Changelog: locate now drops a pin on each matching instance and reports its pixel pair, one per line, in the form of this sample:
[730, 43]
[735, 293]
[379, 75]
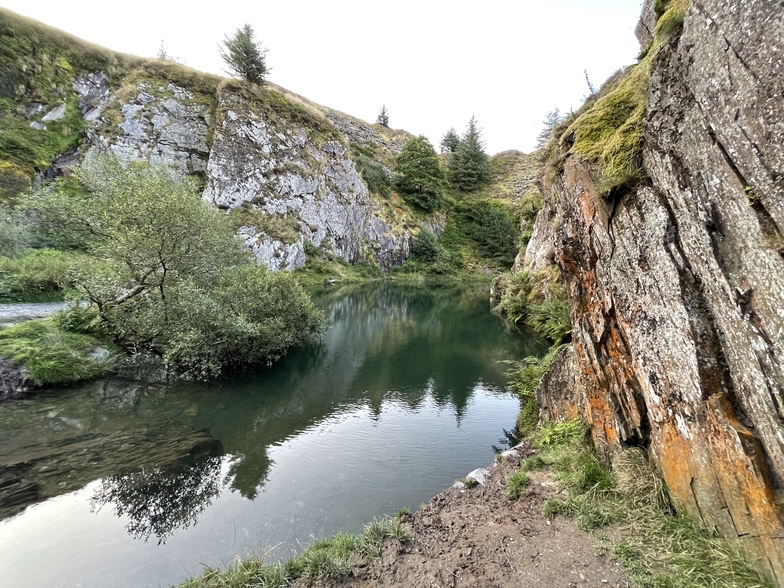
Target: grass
[41, 275]
[51, 355]
[608, 131]
[524, 379]
[538, 300]
[325, 560]
[629, 509]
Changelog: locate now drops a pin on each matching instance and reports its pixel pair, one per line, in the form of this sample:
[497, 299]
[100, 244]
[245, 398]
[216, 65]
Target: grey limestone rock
[56, 113]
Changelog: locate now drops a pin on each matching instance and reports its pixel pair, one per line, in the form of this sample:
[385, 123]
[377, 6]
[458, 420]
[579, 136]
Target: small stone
[57, 113]
[38, 126]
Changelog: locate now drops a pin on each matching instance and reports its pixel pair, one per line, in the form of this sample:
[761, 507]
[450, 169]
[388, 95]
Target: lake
[124, 484]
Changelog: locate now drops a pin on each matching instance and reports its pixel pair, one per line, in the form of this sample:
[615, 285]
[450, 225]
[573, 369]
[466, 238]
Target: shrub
[426, 246]
[418, 174]
[376, 176]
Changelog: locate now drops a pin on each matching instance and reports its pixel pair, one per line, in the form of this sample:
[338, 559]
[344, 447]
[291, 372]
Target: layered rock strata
[678, 285]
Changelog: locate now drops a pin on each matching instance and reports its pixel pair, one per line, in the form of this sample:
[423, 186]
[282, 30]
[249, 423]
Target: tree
[450, 141]
[383, 117]
[552, 120]
[419, 176]
[170, 276]
[244, 56]
[469, 168]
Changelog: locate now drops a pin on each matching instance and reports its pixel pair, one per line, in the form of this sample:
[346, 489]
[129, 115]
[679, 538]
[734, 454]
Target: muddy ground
[477, 537]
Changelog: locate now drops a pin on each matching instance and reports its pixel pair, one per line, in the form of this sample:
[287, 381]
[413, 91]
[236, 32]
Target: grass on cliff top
[53, 356]
[323, 561]
[608, 129]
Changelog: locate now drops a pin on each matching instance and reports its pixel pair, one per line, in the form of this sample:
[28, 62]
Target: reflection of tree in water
[158, 500]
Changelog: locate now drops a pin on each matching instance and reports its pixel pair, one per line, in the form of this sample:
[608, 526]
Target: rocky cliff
[675, 271]
[284, 168]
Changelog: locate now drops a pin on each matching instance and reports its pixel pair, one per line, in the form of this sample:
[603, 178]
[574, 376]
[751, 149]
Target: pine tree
[383, 117]
[244, 56]
[450, 141]
[469, 167]
[419, 177]
[552, 120]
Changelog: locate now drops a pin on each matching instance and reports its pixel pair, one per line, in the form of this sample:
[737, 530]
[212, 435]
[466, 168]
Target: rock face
[285, 183]
[678, 286]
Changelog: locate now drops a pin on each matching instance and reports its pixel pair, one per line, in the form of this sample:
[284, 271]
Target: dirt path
[477, 537]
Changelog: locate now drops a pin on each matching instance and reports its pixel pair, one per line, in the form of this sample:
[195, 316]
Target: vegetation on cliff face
[607, 130]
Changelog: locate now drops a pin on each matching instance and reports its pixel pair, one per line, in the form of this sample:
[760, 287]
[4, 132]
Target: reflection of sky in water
[400, 399]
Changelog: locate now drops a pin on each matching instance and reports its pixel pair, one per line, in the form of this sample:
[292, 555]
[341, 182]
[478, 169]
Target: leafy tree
[552, 120]
[469, 168]
[418, 174]
[383, 117]
[450, 141]
[244, 56]
[170, 276]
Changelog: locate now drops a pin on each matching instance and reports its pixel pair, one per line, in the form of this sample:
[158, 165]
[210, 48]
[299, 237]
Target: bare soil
[478, 537]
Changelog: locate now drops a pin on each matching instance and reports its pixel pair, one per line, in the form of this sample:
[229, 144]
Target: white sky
[433, 63]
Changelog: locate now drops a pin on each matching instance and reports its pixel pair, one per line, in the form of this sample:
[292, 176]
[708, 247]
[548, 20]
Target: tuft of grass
[516, 483]
[52, 356]
[324, 561]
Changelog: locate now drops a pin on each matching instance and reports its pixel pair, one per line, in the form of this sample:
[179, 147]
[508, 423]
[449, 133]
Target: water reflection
[159, 500]
[147, 443]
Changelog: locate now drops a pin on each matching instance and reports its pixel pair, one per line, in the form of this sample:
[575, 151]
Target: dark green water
[125, 484]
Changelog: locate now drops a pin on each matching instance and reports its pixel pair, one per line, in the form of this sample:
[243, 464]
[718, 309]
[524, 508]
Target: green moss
[608, 133]
[52, 356]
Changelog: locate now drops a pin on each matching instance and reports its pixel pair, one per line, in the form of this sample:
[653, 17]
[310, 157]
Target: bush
[426, 246]
[493, 230]
[15, 233]
[376, 176]
[170, 276]
[418, 174]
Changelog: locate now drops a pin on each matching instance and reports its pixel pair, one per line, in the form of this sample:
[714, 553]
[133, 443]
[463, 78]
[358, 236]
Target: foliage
[450, 141]
[468, 166]
[551, 318]
[169, 275]
[426, 246]
[244, 56]
[40, 275]
[418, 174]
[492, 229]
[515, 483]
[552, 120]
[15, 233]
[376, 176]
[248, 317]
[539, 300]
[383, 116]
[524, 377]
[323, 561]
[52, 356]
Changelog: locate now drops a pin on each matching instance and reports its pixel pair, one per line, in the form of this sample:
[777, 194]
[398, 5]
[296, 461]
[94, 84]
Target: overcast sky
[433, 63]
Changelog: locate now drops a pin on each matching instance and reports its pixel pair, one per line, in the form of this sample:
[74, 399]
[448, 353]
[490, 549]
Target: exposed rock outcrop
[678, 285]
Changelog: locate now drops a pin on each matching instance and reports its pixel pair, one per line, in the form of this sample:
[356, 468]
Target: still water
[124, 484]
